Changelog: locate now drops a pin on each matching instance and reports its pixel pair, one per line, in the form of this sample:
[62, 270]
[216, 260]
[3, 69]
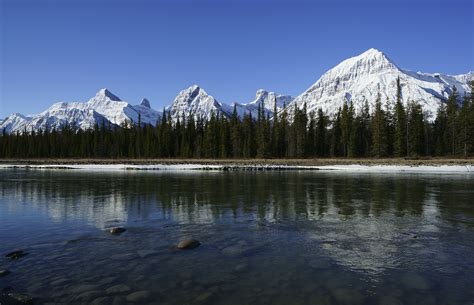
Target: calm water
[267, 237]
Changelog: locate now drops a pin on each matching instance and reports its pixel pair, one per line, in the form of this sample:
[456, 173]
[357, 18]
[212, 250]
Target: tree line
[388, 131]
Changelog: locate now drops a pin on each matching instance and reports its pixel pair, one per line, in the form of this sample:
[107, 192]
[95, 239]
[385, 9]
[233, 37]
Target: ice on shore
[187, 167]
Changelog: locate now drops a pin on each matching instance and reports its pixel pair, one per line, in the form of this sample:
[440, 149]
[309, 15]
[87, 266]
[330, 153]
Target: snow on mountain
[194, 101]
[13, 122]
[147, 114]
[356, 79]
[361, 77]
[103, 108]
[265, 99]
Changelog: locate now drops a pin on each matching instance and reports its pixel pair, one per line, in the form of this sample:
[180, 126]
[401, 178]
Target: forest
[389, 130]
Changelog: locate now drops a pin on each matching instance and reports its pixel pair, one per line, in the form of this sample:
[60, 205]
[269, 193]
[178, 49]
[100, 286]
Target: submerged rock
[10, 296]
[117, 289]
[348, 296]
[204, 297]
[16, 254]
[188, 244]
[117, 230]
[103, 301]
[414, 281]
[4, 273]
[235, 250]
[241, 267]
[139, 296]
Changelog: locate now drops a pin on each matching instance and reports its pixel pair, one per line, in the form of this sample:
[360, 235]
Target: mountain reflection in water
[370, 224]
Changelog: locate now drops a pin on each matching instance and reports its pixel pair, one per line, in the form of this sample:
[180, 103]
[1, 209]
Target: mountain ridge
[358, 79]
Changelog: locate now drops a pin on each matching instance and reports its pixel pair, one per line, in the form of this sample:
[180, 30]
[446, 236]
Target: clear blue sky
[67, 50]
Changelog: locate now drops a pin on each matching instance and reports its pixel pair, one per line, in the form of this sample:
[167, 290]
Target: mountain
[357, 79]
[196, 102]
[267, 100]
[103, 108]
[361, 77]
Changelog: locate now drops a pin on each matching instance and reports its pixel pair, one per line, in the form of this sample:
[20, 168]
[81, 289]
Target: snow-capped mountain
[362, 77]
[266, 100]
[356, 79]
[103, 108]
[197, 102]
[194, 101]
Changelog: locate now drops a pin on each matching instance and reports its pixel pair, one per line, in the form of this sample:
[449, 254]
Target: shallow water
[291, 237]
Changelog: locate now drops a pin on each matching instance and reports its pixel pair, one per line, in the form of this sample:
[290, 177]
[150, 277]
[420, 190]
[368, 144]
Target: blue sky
[67, 50]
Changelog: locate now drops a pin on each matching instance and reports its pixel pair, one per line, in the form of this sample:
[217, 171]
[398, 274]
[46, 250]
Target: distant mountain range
[355, 79]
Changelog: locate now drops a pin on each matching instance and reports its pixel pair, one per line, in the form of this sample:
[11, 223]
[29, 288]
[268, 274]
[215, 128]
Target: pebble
[240, 267]
[236, 250]
[19, 298]
[412, 280]
[76, 290]
[188, 244]
[117, 230]
[186, 284]
[16, 254]
[348, 296]
[89, 295]
[203, 297]
[102, 301]
[117, 289]
[139, 296]
[146, 253]
[319, 264]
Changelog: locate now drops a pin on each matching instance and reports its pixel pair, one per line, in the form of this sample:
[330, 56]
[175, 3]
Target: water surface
[290, 237]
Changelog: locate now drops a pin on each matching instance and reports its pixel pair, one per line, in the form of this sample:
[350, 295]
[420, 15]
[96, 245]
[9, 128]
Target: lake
[272, 237]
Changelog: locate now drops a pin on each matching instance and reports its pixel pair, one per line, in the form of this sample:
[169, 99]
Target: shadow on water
[267, 238]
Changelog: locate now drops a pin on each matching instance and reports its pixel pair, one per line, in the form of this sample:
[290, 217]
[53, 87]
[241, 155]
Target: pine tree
[347, 117]
[452, 120]
[417, 130]
[379, 130]
[464, 126]
[336, 150]
[400, 124]
[321, 134]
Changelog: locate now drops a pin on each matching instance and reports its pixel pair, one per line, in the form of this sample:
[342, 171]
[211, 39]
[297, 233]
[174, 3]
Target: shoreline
[341, 165]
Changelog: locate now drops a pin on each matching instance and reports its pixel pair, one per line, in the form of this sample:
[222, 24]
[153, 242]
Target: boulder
[16, 254]
[188, 244]
[117, 230]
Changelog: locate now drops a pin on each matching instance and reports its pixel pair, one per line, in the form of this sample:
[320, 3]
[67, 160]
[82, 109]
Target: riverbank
[352, 165]
[248, 162]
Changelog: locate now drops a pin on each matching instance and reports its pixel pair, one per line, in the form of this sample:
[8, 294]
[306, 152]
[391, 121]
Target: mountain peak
[145, 103]
[105, 92]
[373, 56]
[372, 51]
[260, 93]
[193, 88]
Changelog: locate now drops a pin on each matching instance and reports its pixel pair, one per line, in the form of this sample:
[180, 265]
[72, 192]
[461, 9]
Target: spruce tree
[450, 134]
[400, 124]
[379, 130]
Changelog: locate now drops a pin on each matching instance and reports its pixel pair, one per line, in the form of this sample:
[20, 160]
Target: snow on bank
[187, 167]
[115, 167]
[401, 168]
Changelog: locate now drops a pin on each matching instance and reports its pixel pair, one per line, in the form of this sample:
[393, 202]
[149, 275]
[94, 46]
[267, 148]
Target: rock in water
[117, 230]
[16, 254]
[4, 273]
[188, 244]
[139, 296]
[10, 296]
